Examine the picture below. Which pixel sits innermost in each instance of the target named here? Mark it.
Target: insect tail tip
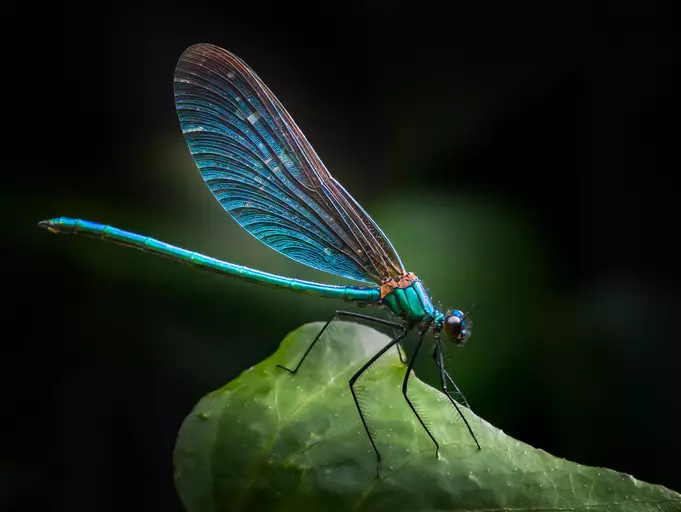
(49, 225)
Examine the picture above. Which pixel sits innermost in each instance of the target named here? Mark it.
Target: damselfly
(266, 175)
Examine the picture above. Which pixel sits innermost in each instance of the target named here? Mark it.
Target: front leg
(443, 384)
(459, 395)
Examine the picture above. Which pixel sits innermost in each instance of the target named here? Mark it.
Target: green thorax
(409, 300)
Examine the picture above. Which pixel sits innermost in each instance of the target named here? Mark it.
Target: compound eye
(453, 327)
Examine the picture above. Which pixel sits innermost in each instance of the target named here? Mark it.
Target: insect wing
(266, 175)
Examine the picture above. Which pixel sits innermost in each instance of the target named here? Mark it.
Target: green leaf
(270, 440)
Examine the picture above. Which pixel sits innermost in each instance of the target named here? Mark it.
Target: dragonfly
(266, 175)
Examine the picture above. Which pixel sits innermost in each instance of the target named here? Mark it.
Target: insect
(266, 175)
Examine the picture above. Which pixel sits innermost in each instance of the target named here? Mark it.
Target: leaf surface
(273, 441)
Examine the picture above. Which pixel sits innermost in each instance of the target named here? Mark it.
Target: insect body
(266, 175)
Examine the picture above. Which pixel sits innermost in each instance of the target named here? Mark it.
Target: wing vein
(266, 175)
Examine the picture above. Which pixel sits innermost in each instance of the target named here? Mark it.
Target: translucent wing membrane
(265, 173)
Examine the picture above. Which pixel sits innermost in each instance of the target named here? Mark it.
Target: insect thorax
(408, 299)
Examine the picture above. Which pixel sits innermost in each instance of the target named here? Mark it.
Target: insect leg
(400, 351)
(405, 382)
(403, 357)
(458, 394)
(334, 317)
(443, 383)
(354, 394)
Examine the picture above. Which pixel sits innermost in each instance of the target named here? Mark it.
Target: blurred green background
(511, 152)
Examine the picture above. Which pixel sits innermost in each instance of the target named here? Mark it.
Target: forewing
(266, 175)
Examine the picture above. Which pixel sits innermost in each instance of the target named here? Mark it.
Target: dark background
(512, 152)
